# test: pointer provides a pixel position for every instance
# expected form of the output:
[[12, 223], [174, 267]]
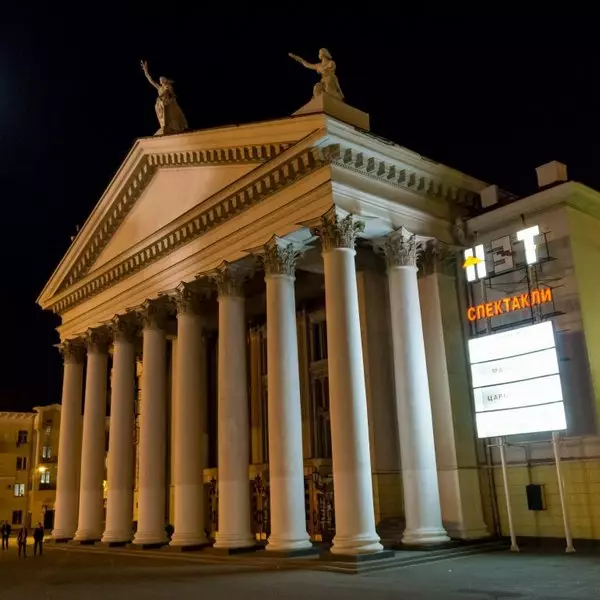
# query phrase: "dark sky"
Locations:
[[492, 96]]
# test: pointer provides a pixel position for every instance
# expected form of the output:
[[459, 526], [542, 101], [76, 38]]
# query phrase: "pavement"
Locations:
[[69, 573]]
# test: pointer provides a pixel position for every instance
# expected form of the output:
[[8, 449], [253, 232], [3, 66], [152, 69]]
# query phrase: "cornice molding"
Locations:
[[141, 177], [401, 175], [297, 166]]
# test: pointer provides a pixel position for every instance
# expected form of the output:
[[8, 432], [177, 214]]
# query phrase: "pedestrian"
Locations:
[[5, 530], [38, 539], [22, 541]]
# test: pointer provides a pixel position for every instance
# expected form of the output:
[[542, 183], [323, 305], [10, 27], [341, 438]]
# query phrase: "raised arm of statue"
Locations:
[[144, 64], [302, 62]]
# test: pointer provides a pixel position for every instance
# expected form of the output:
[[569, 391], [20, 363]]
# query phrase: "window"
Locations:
[[22, 438], [17, 517], [46, 451], [48, 429], [45, 478], [21, 463], [19, 490], [319, 341]]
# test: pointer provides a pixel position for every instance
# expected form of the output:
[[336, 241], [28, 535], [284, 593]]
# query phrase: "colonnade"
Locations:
[[79, 496]]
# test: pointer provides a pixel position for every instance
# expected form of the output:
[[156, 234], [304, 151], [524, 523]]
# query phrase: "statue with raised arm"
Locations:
[[326, 69], [170, 116]]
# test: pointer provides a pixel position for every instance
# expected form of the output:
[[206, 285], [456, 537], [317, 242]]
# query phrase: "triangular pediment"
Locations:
[[171, 194], [163, 178]]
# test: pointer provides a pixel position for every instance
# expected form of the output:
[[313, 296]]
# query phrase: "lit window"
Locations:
[[46, 451], [45, 477], [21, 463], [49, 430], [19, 489]]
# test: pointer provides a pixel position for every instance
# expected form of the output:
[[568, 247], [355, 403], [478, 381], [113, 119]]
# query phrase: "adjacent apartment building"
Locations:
[[28, 460]]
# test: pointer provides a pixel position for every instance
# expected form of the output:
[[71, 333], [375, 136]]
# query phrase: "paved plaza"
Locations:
[[94, 573]]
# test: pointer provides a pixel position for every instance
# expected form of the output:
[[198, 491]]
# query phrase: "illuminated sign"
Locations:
[[495, 308], [502, 254], [516, 382]]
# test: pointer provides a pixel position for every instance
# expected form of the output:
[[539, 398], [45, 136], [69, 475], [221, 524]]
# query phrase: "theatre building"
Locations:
[[275, 318]]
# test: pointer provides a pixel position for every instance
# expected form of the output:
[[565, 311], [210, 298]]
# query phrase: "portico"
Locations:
[[205, 234]]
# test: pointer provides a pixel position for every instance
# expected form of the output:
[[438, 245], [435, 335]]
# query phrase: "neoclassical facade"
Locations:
[[235, 239]]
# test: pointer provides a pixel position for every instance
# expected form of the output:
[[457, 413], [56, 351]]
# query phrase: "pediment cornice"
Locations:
[[196, 223], [141, 177]]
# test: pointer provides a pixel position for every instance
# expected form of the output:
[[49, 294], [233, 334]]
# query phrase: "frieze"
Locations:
[[300, 165], [143, 175]]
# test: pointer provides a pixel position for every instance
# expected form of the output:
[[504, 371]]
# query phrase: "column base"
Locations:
[[62, 536], [114, 538], [188, 541], [467, 534], [275, 544], [365, 544], [87, 537], [233, 551], [148, 540], [60, 540], [424, 537], [358, 558], [81, 542], [299, 553], [232, 541]]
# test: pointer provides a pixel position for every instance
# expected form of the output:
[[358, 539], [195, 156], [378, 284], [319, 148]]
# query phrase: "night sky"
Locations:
[[493, 97]]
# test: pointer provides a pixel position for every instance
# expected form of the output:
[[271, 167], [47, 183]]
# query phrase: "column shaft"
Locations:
[[417, 447], [69, 445], [119, 503], [188, 427], [286, 467], [354, 510], [91, 494], [233, 427], [152, 442]]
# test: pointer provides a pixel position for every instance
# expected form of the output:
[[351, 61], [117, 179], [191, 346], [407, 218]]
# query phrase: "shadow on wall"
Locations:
[[577, 384]]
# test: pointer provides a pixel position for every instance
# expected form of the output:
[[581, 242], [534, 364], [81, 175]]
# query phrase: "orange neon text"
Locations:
[[509, 304]]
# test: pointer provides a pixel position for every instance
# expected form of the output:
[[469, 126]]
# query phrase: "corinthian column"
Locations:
[[188, 424], [91, 493], [286, 467], [119, 502], [153, 430], [353, 488], [69, 443], [233, 437], [417, 447]]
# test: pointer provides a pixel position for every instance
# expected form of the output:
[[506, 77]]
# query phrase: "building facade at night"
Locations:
[[275, 317]]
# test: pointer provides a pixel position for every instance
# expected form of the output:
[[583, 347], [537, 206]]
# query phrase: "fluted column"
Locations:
[[188, 425], [352, 483], [93, 447], [417, 447], [119, 502], [286, 468], [153, 430], [234, 531], [69, 443]]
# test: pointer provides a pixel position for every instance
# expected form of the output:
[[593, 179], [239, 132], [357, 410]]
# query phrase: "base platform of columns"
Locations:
[[449, 545], [358, 558], [83, 542], [147, 546], [59, 541], [300, 553], [232, 551], [115, 544], [189, 547]]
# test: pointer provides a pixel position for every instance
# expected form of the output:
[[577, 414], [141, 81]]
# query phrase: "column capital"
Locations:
[[153, 314], [229, 279], [337, 231], [123, 328], [279, 256], [186, 301], [72, 351], [97, 340], [400, 248], [436, 257]]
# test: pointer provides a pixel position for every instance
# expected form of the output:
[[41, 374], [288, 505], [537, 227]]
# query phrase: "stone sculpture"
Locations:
[[326, 69], [170, 117]]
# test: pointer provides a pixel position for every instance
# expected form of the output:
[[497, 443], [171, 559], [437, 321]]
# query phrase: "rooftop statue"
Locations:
[[326, 69], [170, 116]]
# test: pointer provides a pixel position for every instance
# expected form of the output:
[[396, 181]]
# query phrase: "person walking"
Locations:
[[22, 541], [5, 531], [38, 539]]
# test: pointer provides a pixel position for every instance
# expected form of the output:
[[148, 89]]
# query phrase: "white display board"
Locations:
[[516, 382]]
